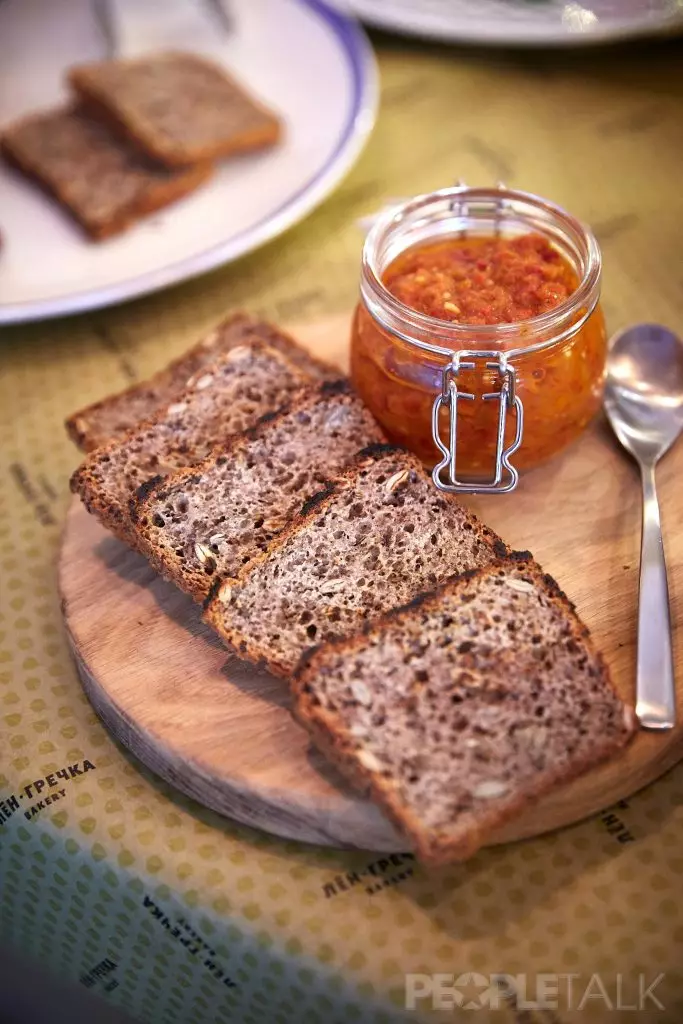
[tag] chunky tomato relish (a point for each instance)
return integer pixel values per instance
(482, 280)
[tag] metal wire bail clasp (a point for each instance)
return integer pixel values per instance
(505, 477)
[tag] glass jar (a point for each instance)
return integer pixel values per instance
(479, 395)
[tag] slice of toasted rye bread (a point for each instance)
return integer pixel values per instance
(225, 398)
(114, 416)
(100, 178)
(457, 711)
(178, 107)
(208, 521)
(371, 540)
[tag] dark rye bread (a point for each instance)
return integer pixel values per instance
(104, 181)
(208, 521)
(458, 710)
(223, 399)
(370, 541)
(177, 107)
(114, 416)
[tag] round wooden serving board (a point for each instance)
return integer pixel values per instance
(221, 732)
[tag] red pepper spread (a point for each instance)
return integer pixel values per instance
(482, 280)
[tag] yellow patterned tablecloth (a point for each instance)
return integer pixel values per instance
(161, 907)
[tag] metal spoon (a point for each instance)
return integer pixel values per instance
(644, 404)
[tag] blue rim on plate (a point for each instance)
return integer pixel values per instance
(359, 55)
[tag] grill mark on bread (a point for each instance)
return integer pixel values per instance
(212, 592)
(378, 450)
(312, 503)
(341, 386)
(149, 486)
(268, 417)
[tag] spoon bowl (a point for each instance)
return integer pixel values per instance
(644, 390)
(644, 405)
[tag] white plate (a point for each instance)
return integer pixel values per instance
(523, 22)
(308, 61)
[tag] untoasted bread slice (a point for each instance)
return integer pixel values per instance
(104, 181)
(178, 107)
(457, 711)
(221, 400)
(208, 521)
(371, 540)
(114, 416)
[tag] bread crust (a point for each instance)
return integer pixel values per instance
(102, 99)
(85, 427)
(334, 740)
(314, 505)
(161, 191)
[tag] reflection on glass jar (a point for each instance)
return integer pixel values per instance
(399, 350)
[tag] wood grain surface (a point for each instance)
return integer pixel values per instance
(221, 731)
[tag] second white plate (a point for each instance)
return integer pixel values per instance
(523, 22)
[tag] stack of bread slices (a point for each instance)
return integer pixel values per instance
(445, 675)
(136, 136)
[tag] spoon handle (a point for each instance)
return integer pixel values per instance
(655, 692)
